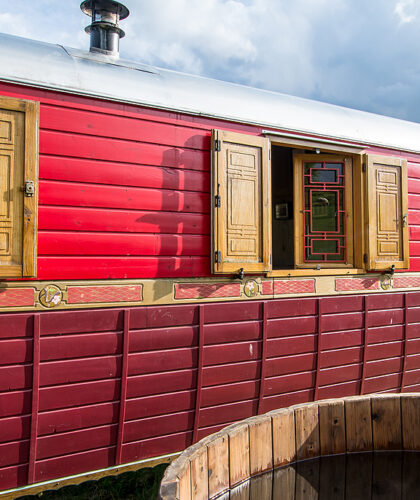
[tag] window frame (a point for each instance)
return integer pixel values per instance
(361, 226)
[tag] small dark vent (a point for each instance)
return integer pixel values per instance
(104, 31)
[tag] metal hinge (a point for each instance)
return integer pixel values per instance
(218, 201)
(365, 258)
(218, 257)
(29, 188)
(363, 167)
(217, 145)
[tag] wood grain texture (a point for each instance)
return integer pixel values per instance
(358, 424)
(307, 431)
(199, 475)
(410, 421)
(386, 422)
(218, 465)
(332, 427)
(239, 466)
(284, 439)
(260, 445)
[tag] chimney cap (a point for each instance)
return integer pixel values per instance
(109, 5)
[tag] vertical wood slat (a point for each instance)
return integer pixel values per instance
(318, 356)
(238, 454)
(410, 422)
(365, 343)
(199, 475)
(263, 357)
(332, 427)
(307, 431)
(284, 440)
(405, 329)
(260, 445)
(218, 465)
(200, 362)
(123, 389)
(386, 423)
(35, 397)
(358, 424)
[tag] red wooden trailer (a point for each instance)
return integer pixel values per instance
(178, 253)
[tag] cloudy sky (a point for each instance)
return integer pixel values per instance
(363, 54)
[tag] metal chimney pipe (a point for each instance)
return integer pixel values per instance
(104, 31)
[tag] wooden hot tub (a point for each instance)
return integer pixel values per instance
(248, 448)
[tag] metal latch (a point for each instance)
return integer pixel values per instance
(404, 220)
(218, 201)
(29, 188)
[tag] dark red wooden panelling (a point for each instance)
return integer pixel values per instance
(80, 423)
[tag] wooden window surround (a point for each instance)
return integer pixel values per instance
(349, 208)
(19, 123)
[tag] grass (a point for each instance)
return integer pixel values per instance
(138, 485)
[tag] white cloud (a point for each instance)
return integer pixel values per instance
(351, 52)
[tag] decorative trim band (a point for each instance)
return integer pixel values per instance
(41, 295)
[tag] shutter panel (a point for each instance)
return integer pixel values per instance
(18, 162)
(241, 213)
(387, 239)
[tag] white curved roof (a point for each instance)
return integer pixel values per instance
(55, 67)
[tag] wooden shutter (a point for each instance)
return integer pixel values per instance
(18, 164)
(241, 213)
(387, 238)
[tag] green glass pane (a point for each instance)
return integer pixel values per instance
(339, 257)
(309, 166)
(324, 211)
(323, 175)
(325, 246)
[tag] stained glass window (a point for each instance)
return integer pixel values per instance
(324, 214)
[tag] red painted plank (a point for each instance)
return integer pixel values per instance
(15, 403)
(98, 148)
(159, 405)
(340, 322)
(284, 400)
(291, 326)
(105, 125)
(229, 393)
(385, 301)
(341, 357)
(82, 345)
(413, 314)
(163, 316)
(121, 174)
(231, 353)
(384, 366)
(156, 446)
(382, 383)
(413, 346)
(163, 338)
(127, 198)
(412, 378)
(291, 307)
(228, 413)
(288, 383)
(232, 311)
(337, 340)
(291, 345)
(339, 390)
(232, 332)
(413, 299)
(225, 374)
(14, 476)
(71, 322)
(65, 443)
(386, 334)
(64, 396)
(383, 351)
(413, 362)
(158, 361)
(120, 267)
(147, 428)
(15, 428)
(78, 243)
(16, 325)
(74, 464)
(14, 453)
(99, 219)
(157, 383)
(77, 418)
(339, 374)
(15, 377)
(291, 364)
(79, 370)
(15, 351)
(343, 304)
